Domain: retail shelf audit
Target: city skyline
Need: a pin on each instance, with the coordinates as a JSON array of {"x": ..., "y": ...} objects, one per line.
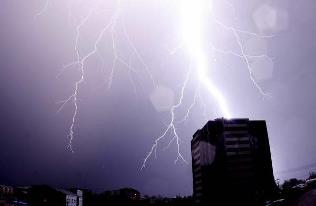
[{"x": 117, "y": 126}]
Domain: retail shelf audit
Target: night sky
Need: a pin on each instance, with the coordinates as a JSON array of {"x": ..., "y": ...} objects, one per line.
[{"x": 116, "y": 126}]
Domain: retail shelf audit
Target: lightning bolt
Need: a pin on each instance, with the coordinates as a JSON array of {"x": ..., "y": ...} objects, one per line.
[
  {"x": 193, "y": 16},
  {"x": 81, "y": 60},
  {"x": 171, "y": 127}
]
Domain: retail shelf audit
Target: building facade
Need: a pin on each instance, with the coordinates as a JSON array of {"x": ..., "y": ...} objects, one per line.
[
  {"x": 231, "y": 163},
  {"x": 79, "y": 198},
  {"x": 70, "y": 199}
]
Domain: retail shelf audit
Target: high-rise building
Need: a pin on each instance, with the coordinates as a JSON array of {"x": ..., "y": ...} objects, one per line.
[{"x": 231, "y": 163}]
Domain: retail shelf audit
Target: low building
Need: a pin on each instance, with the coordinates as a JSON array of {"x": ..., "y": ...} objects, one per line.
[
  {"x": 70, "y": 199},
  {"x": 79, "y": 198},
  {"x": 79, "y": 193},
  {"x": 44, "y": 195}
]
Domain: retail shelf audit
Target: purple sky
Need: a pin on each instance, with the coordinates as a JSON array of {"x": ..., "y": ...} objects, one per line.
[{"x": 115, "y": 128}]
